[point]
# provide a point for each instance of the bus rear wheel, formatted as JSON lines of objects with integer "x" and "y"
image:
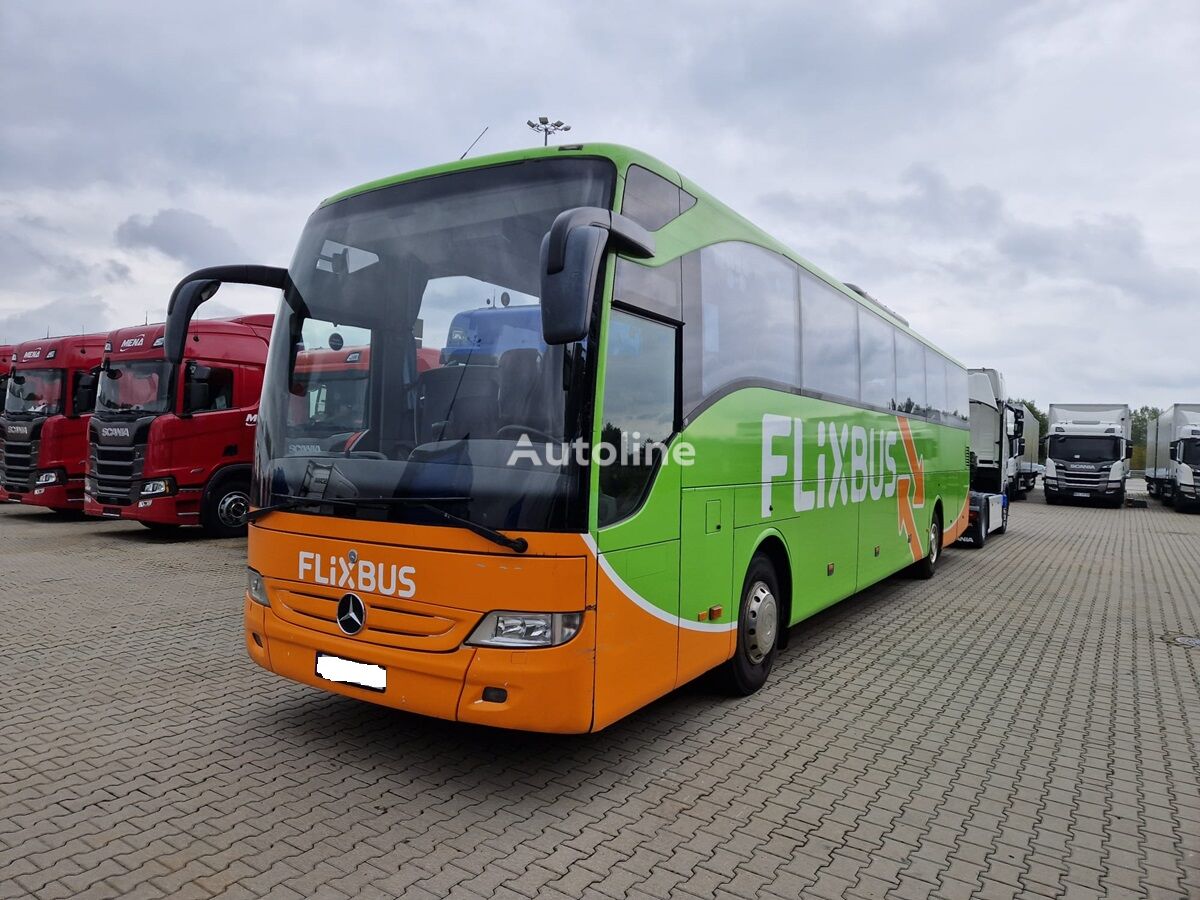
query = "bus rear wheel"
{"x": 926, "y": 567}
{"x": 759, "y": 622}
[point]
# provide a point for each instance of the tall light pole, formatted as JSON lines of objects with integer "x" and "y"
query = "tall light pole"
{"x": 546, "y": 128}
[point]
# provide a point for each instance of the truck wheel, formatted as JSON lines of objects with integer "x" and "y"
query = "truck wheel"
{"x": 1003, "y": 521}
{"x": 758, "y": 630}
{"x": 226, "y": 503}
{"x": 980, "y": 535}
{"x": 926, "y": 567}
{"x": 1120, "y": 499}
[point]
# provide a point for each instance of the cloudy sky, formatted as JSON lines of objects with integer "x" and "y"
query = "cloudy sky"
{"x": 1019, "y": 179}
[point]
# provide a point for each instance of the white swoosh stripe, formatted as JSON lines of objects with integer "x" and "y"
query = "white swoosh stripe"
{"x": 640, "y": 601}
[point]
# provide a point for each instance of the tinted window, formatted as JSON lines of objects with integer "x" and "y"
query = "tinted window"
{"x": 877, "y": 360}
{"x": 651, "y": 200}
{"x": 749, "y": 316}
{"x": 639, "y": 410}
{"x": 208, "y": 389}
{"x": 935, "y": 382}
{"x": 830, "y": 340}
{"x": 653, "y": 288}
{"x": 910, "y": 374}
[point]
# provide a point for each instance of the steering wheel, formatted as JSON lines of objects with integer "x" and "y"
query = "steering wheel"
{"x": 516, "y": 431}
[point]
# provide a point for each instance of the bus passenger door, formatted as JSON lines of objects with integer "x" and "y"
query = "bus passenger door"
{"x": 637, "y": 513}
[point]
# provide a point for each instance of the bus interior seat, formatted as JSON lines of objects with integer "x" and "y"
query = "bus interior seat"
{"x": 457, "y": 402}
{"x": 522, "y": 401}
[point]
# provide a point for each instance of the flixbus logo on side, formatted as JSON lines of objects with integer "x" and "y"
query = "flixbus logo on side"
{"x": 351, "y": 573}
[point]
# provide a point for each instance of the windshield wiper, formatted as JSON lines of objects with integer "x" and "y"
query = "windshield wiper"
{"x": 291, "y": 501}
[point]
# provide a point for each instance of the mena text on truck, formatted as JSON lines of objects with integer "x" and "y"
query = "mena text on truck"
{"x": 171, "y": 443}
{"x": 421, "y": 564}
{"x": 50, "y": 396}
{"x": 1088, "y": 449}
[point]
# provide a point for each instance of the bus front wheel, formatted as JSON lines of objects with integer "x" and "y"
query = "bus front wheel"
{"x": 759, "y": 621}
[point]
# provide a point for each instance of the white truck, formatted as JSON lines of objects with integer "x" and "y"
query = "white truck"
{"x": 1173, "y": 456}
{"x": 996, "y": 446}
{"x": 1029, "y": 468}
{"x": 1087, "y": 452}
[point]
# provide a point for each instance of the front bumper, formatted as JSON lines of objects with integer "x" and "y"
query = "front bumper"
{"x": 548, "y": 690}
{"x": 63, "y": 496}
{"x": 182, "y": 508}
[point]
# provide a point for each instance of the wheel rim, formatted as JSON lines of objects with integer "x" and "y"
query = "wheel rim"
{"x": 935, "y": 542}
{"x": 233, "y": 509}
{"x": 761, "y": 623}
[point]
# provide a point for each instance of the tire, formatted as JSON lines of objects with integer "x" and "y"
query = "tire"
{"x": 1181, "y": 505}
{"x": 222, "y": 514}
{"x": 759, "y": 617}
{"x": 1120, "y": 499}
{"x": 928, "y": 566}
{"x": 980, "y": 535}
{"x": 1051, "y": 500}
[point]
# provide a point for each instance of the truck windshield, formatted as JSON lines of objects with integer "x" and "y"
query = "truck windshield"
{"x": 1085, "y": 448}
{"x": 137, "y": 386}
{"x": 34, "y": 392}
{"x": 436, "y": 283}
{"x": 1190, "y": 453}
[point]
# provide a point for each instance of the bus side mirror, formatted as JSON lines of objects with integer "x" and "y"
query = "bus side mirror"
{"x": 198, "y": 287}
{"x": 83, "y": 398}
{"x": 571, "y": 256}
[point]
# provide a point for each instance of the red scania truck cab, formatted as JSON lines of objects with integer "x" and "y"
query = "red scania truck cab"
{"x": 6, "y": 352}
{"x": 173, "y": 445}
{"x": 49, "y": 400}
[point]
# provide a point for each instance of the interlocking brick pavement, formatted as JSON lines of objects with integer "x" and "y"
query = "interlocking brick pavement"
{"x": 1016, "y": 727}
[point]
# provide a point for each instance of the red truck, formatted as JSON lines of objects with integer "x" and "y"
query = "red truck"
{"x": 6, "y": 352}
{"x": 51, "y": 393}
{"x": 173, "y": 445}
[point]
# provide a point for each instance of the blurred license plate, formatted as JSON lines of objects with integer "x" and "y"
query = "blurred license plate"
{"x": 347, "y": 671}
{"x": 1082, "y": 494}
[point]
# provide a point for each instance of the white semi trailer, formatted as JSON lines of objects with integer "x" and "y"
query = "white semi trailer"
{"x": 996, "y": 446}
{"x": 1087, "y": 452}
{"x": 1173, "y": 456}
{"x": 1029, "y": 466}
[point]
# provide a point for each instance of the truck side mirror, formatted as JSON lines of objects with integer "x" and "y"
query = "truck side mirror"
{"x": 1128, "y": 450}
{"x": 571, "y": 256}
{"x": 1020, "y": 446}
{"x": 1019, "y": 424}
{"x": 198, "y": 287}
{"x": 1171, "y": 454}
{"x": 83, "y": 397}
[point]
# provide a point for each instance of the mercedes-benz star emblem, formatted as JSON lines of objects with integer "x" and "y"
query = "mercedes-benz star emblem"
{"x": 351, "y": 614}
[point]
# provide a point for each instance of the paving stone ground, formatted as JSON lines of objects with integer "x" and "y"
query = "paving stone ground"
{"x": 1018, "y": 726}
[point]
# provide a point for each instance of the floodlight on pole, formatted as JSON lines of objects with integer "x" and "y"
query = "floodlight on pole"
{"x": 545, "y": 127}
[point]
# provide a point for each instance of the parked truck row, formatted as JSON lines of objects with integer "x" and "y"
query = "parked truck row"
{"x": 1173, "y": 456}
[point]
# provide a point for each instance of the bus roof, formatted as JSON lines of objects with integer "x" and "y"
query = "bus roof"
{"x": 709, "y": 221}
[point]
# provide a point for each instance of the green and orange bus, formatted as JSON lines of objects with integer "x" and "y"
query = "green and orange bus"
{"x": 544, "y": 518}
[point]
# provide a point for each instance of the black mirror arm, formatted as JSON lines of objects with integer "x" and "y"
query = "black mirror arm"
{"x": 198, "y": 287}
{"x": 626, "y": 235}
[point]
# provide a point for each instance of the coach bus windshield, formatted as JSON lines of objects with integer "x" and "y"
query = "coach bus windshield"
{"x": 436, "y": 281}
{"x": 34, "y": 392}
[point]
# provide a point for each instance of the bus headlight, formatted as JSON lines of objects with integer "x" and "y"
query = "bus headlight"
{"x": 520, "y": 629}
{"x": 255, "y": 587}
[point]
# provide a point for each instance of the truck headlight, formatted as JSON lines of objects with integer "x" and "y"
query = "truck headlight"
{"x": 47, "y": 478}
{"x": 520, "y": 629}
{"x": 155, "y": 487}
{"x": 255, "y": 588}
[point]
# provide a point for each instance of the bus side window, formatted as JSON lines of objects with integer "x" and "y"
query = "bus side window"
{"x": 639, "y": 411}
{"x": 910, "y": 374}
{"x": 829, "y": 339}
